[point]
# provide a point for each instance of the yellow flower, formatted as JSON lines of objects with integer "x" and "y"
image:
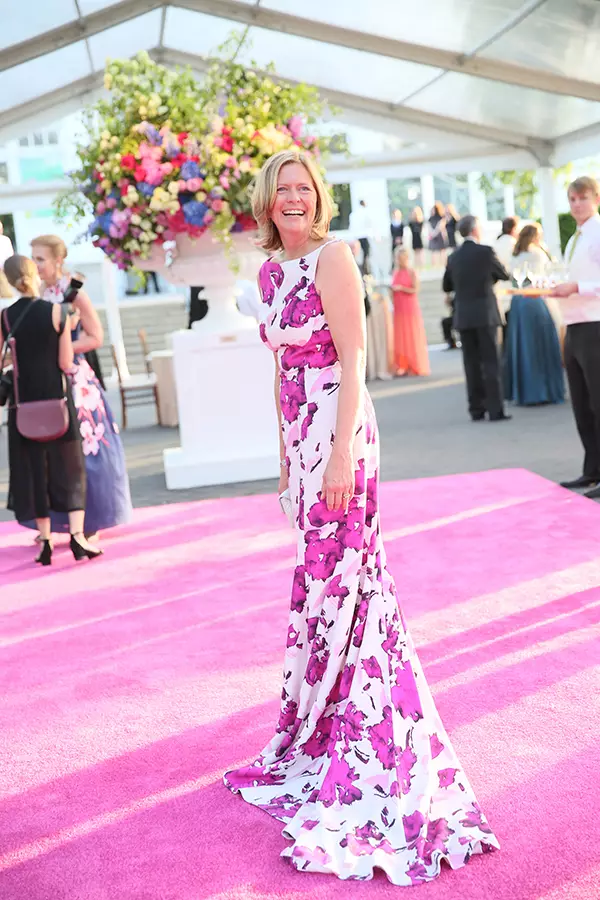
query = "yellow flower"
{"x": 143, "y": 112}
{"x": 106, "y": 184}
{"x": 173, "y": 188}
{"x": 201, "y": 196}
{"x": 107, "y": 81}
{"x": 146, "y": 225}
{"x": 135, "y": 219}
{"x": 173, "y": 207}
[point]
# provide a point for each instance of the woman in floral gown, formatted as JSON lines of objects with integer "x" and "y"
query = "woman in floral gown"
{"x": 360, "y": 768}
{"x": 108, "y": 497}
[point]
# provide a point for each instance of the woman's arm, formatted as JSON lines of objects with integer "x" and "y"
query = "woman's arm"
{"x": 338, "y": 282}
{"x": 90, "y": 323}
{"x": 66, "y": 355}
{"x": 284, "y": 473}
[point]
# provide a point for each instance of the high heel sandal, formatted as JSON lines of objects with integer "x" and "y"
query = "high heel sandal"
{"x": 45, "y": 556}
{"x": 80, "y": 552}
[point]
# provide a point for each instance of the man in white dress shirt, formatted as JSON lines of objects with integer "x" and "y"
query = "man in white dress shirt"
{"x": 6, "y": 251}
{"x": 580, "y": 307}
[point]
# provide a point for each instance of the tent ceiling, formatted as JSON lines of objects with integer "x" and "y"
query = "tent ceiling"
{"x": 464, "y": 76}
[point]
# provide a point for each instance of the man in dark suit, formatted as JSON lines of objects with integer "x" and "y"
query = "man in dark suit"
{"x": 470, "y": 274}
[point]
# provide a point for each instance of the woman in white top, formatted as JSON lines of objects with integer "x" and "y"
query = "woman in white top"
{"x": 505, "y": 243}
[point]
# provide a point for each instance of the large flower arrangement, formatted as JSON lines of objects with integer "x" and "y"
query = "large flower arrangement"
{"x": 165, "y": 156}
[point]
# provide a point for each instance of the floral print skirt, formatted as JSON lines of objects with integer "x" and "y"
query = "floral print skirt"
{"x": 360, "y": 768}
{"x": 108, "y": 500}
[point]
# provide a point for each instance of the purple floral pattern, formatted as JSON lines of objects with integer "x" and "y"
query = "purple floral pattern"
{"x": 360, "y": 768}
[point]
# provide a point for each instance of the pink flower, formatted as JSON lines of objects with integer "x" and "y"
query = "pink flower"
{"x": 181, "y": 185}
{"x": 224, "y": 182}
{"x": 338, "y": 784}
{"x": 446, "y": 777}
{"x": 436, "y": 746}
{"x": 217, "y": 205}
{"x": 194, "y": 184}
{"x": 295, "y": 126}
{"x": 317, "y": 743}
{"x": 101, "y": 207}
{"x": 111, "y": 203}
{"x": 372, "y": 668}
{"x": 230, "y": 162}
{"x": 405, "y": 694}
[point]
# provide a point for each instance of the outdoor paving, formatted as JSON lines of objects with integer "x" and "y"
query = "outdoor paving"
{"x": 425, "y": 431}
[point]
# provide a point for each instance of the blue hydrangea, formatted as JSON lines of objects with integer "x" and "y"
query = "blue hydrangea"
{"x": 144, "y": 188}
{"x": 190, "y": 169}
{"x": 194, "y": 212}
{"x": 103, "y": 222}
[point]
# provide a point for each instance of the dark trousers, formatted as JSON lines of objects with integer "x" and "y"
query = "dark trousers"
{"x": 482, "y": 370}
{"x": 582, "y": 362}
{"x": 447, "y": 331}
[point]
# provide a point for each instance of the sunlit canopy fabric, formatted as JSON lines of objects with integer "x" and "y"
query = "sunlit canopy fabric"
{"x": 516, "y": 81}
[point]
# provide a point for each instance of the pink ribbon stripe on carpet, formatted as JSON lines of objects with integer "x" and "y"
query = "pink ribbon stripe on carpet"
{"x": 128, "y": 685}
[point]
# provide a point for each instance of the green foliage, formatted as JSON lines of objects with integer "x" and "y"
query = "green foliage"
{"x": 567, "y": 226}
{"x": 524, "y": 183}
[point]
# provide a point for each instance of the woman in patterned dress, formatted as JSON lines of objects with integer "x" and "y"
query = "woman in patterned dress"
{"x": 108, "y": 497}
{"x": 360, "y": 768}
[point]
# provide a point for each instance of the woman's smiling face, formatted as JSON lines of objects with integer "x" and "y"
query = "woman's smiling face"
{"x": 295, "y": 206}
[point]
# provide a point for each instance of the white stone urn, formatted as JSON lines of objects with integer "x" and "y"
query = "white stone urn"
{"x": 202, "y": 262}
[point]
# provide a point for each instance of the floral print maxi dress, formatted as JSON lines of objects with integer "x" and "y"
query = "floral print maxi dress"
{"x": 108, "y": 495}
{"x": 360, "y": 768}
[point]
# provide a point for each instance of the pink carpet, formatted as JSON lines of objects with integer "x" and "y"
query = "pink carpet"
{"x": 129, "y": 684}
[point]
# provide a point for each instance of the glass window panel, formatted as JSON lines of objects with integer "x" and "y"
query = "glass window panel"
{"x": 38, "y": 139}
{"x": 507, "y": 106}
{"x": 3, "y": 173}
{"x": 448, "y": 24}
{"x": 194, "y": 32}
{"x": 127, "y": 39}
{"x": 24, "y": 142}
{"x": 32, "y": 19}
{"x": 560, "y": 36}
{"x": 52, "y": 137}
{"x": 338, "y": 68}
{"x": 42, "y": 75}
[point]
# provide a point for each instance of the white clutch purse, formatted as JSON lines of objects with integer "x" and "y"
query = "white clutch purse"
{"x": 285, "y": 501}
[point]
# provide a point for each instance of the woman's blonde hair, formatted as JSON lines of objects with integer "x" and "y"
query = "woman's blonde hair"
{"x": 527, "y": 236}
{"x": 265, "y": 191}
{"x": 21, "y": 272}
{"x": 398, "y": 252}
{"x": 52, "y": 242}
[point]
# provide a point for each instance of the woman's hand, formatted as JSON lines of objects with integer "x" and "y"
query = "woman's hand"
{"x": 338, "y": 480}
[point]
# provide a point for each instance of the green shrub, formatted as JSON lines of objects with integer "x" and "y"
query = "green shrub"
{"x": 567, "y": 227}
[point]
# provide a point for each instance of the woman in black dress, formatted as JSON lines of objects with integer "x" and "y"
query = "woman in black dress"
{"x": 437, "y": 234}
{"x": 50, "y": 474}
{"x": 416, "y": 229}
{"x": 451, "y": 223}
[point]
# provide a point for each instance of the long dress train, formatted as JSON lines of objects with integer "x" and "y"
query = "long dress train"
{"x": 360, "y": 768}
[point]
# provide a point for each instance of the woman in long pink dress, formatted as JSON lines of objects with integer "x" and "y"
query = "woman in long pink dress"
{"x": 360, "y": 768}
{"x": 411, "y": 356}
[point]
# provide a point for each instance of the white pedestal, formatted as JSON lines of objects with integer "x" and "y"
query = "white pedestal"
{"x": 227, "y": 416}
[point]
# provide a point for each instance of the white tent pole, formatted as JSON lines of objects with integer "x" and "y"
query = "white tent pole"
{"x": 427, "y": 195}
{"x": 509, "y": 200}
{"x": 477, "y": 198}
{"x": 545, "y": 178}
{"x": 113, "y": 314}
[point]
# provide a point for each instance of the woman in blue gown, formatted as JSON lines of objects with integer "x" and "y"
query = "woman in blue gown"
{"x": 108, "y": 496}
{"x": 533, "y": 362}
